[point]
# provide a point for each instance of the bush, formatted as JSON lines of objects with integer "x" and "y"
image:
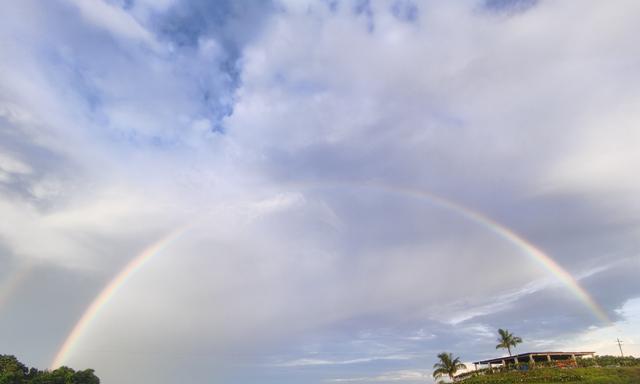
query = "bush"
{"x": 609, "y": 361}
{"x": 620, "y": 375}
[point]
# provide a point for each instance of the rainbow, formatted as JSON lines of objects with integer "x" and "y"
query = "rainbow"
{"x": 109, "y": 291}
{"x": 535, "y": 253}
{"x": 13, "y": 282}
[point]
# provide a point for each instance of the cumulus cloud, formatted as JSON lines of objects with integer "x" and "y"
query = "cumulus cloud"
{"x": 301, "y": 142}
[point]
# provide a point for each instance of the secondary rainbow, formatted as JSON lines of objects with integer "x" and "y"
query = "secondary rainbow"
{"x": 13, "y": 282}
{"x": 109, "y": 291}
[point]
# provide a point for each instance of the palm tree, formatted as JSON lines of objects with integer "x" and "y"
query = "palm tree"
{"x": 447, "y": 366}
{"x": 507, "y": 340}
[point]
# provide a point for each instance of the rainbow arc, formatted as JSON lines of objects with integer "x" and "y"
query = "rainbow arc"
{"x": 499, "y": 230}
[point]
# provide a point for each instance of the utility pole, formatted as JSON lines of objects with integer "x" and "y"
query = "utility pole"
{"x": 620, "y": 346}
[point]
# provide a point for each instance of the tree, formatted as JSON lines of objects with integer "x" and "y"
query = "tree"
{"x": 507, "y": 340}
{"x": 85, "y": 377}
{"x": 13, "y": 371}
{"x": 447, "y": 366}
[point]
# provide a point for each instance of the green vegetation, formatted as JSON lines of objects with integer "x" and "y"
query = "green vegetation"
{"x": 609, "y": 361}
{"x": 447, "y": 366}
{"x": 593, "y": 375}
{"x": 13, "y": 371}
{"x": 507, "y": 340}
{"x": 595, "y": 370}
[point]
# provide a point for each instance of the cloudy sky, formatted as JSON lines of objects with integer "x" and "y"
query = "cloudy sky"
{"x": 336, "y": 172}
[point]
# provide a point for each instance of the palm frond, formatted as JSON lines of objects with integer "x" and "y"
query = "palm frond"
{"x": 448, "y": 365}
{"x": 439, "y": 373}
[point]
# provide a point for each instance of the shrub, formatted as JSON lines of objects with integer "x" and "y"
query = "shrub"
{"x": 609, "y": 361}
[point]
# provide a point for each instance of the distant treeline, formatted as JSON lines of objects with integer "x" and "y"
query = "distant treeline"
{"x": 13, "y": 371}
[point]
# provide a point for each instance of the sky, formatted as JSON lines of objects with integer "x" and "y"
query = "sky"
{"x": 315, "y": 191}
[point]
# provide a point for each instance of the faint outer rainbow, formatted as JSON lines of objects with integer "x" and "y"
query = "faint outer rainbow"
{"x": 11, "y": 283}
{"x": 109, "y": 291}
{"x": 498, "y": 229}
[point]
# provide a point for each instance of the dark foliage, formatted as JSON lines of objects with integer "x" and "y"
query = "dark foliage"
{"x": 13, "y": 371}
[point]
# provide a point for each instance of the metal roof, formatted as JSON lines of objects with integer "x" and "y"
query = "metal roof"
{"x": 554, "y": 353}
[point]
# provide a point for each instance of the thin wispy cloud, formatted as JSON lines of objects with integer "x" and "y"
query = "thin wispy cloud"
{"x": 395, "y": 376}
{"x": 308, "y": 362}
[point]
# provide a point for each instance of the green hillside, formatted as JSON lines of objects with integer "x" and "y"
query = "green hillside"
{"x": 590, "y": 375}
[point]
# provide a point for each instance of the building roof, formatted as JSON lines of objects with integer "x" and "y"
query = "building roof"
{"x": 499, "y": 360}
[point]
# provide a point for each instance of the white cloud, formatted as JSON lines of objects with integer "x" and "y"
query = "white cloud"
{"x": 421, "y": 376}
{"x": 10, "y": 166}
{"x": 114, "y": 20}
{"x": 111, "y": 144}
{"x": 602, "y": 340}
{"x": 311, "y": 362}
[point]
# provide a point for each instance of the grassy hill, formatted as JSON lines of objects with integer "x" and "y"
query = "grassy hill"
{"x": 590, "y": 375}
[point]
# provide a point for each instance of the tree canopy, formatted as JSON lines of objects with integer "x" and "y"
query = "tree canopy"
{"x": 507, "y": 340}
{"x": 448, "y": 365}
{"x": 13, "y": 371}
